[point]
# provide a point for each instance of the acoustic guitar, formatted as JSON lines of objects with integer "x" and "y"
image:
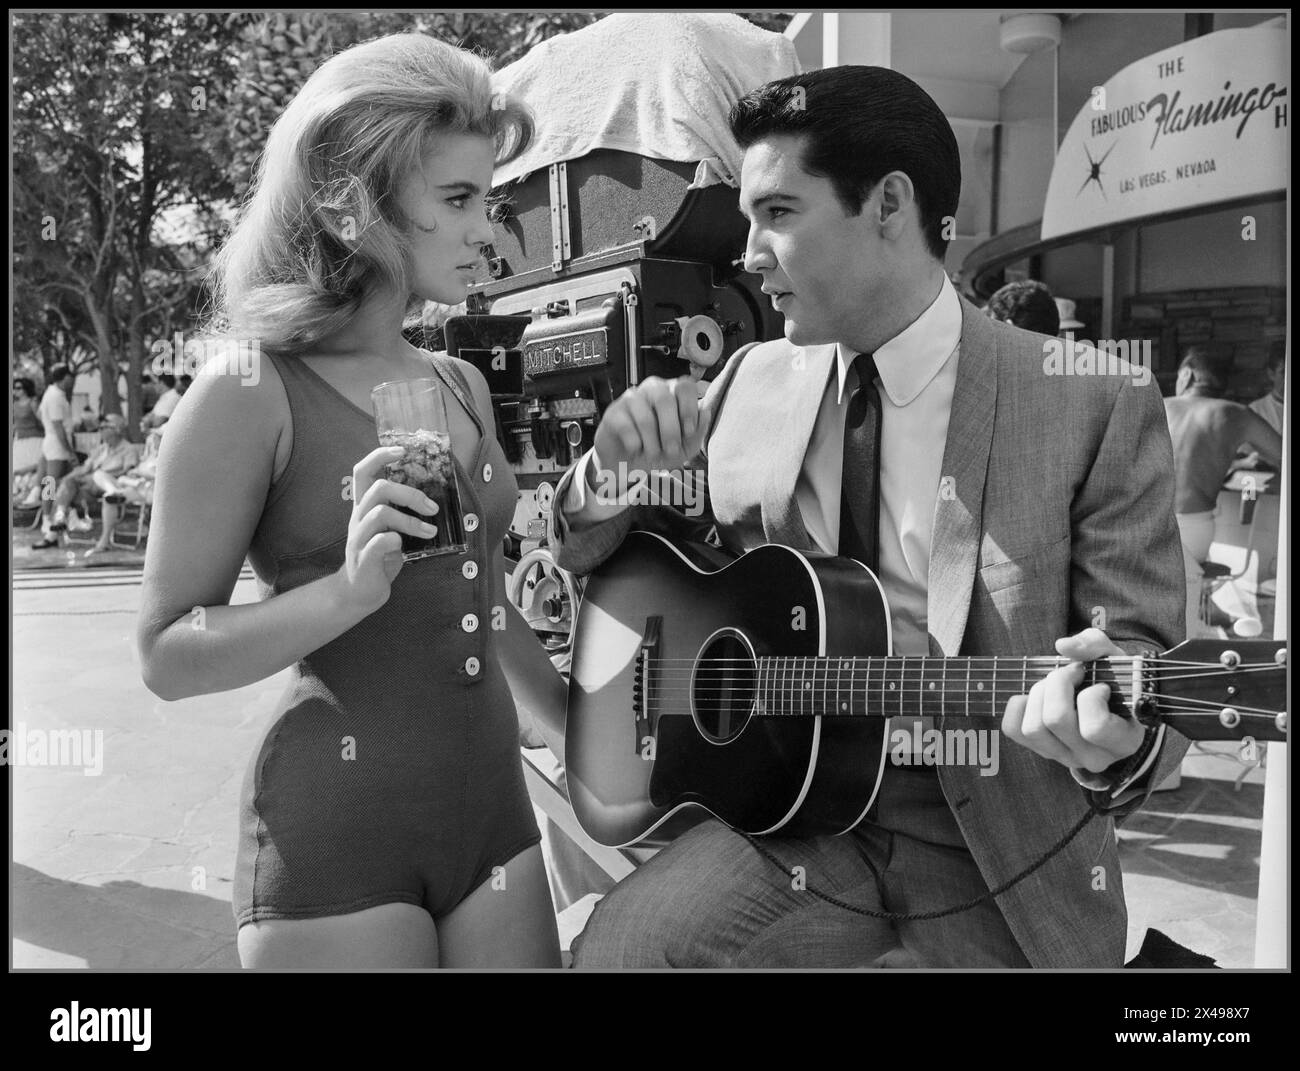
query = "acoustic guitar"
{"x": 760, "y": 690}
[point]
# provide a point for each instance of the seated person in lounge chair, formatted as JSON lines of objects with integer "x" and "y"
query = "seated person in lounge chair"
{"x": 115, "y": 454}
{"x": 135, "y": 486}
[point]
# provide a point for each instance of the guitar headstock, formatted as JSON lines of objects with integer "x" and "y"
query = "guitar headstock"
{"x": 1220, "y": 689}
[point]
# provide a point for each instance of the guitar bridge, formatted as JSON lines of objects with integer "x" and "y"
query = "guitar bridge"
{"x": 641, "y": 681}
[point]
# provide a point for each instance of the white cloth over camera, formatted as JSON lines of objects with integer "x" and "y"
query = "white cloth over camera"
{"x": 659, "y": 85}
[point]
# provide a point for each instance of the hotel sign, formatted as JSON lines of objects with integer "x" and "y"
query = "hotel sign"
{"x": 1197, "y": 124}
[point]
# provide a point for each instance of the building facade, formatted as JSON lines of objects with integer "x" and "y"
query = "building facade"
{"x": 1214, "y": 274}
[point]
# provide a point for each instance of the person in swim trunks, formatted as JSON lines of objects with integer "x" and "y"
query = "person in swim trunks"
{"x": 1207, "y": 431}
{"x": 383, "y": 820}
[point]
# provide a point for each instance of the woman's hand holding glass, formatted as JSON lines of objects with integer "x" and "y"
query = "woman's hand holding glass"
{"x": 374, "y": 549}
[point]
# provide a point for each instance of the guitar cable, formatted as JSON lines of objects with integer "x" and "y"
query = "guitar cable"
{"x": 920, "y": 916}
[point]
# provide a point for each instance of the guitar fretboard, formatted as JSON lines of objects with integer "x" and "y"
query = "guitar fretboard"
{"x": 914, "y": 685}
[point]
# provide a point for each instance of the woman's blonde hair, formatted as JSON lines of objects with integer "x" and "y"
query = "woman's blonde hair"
{"x": 321, "y": 229}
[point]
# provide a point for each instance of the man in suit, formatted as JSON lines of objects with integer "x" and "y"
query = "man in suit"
{"x": 1016, "y": 510}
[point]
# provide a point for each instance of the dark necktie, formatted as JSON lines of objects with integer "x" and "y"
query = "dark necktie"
{"x": 860, "y": 483}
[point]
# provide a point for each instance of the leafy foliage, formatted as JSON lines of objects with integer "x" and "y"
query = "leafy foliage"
{"x": 135, "y": 135}
{"x": 112, "y": 132}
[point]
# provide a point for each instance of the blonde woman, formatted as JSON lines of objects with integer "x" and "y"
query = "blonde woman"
{"x": 384, "y": 821}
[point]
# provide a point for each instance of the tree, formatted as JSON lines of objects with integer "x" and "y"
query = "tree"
{"x": 135, "y": 135}
{"x": 111, "y": 130}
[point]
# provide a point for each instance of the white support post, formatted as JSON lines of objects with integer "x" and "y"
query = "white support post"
{"x": 1107, "y": 291}
{"x": 1273, "y": 904}
{"x": 857, "y": 37}
{"x": 830, "y": 39}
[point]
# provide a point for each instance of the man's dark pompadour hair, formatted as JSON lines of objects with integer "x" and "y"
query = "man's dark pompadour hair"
{"x": 859, "y": 124}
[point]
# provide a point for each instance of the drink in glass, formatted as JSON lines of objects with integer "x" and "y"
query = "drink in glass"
{"x": 412, "y": 414}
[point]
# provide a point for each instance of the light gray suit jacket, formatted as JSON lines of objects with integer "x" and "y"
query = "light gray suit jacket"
{"x": 1060, "y": 510}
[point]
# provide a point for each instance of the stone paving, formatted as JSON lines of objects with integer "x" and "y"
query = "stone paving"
{"x": 132, "y": 868}
{"x": 73, "y": 554}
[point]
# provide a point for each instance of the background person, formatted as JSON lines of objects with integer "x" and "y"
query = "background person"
{"x": 1207, "y": 432}
{"x": 1028, "y": 305}
{"x": 148, "y": 393}
{"x": 163, "y": 408}
{"x": 134, "y": 485}
{"x": 1270, "y": 408}
{"x": 28, "y": 433}
{"x": 56, "y": 417}
{"x": 87, "y": 422}
{"x": 115, "y": 454}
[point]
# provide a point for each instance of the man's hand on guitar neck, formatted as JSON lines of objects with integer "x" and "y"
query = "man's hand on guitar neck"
{"x": 1076, "y": 730}
{"x": 657, "y": 425}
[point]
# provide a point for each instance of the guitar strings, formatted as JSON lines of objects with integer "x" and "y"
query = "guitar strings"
{"x": 908, "y": 688}
{"x": 1258, "y": 717}
{"x": 1170, "y": 707}
{"x": 709, "y": 677}
{"x": 1198, "y": 663}
{"x": 683, "y": 672}
{"x": 692, "y": 665}
{"x": 723, "y": 688}
{"x": 915, "y": 673}
{"x": 687, "y": 668}
{"x": 912, "y": 703}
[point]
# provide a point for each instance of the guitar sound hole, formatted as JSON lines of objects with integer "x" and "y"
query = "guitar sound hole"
{"x": 722, "y": 686}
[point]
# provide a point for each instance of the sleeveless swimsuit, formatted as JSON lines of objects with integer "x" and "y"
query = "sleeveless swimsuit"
{"x": 390, "y": 772}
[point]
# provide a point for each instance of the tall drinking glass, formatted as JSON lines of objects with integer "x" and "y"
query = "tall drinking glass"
{"x": 412, "y": 414}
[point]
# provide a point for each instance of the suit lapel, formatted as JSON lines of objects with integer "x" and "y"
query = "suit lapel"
{"x": 801, "y": 388}
{"x": 958, "y": 516}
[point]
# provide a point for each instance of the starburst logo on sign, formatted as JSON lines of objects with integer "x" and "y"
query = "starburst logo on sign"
{"x": 1094, "y": 170}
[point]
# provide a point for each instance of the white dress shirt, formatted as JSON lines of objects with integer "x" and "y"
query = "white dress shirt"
{"x": 917, "y": 373}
